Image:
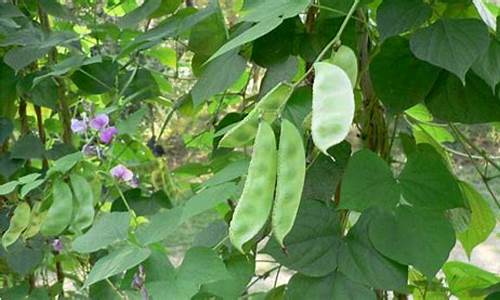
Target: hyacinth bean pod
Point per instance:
(290, 180)
(36, 219)
(268, 108)
(254, 206)
(333, 106)
(84, 204)
(345, 58)
(18, 223)
(59, 214)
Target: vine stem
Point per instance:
(465, 141)
(330, 44)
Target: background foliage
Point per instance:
(114, 182)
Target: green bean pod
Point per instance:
(254, 206)
(60, 212)
(84, 203)
(18, 223)
(290, 182)
(268, 107)
(36, 220)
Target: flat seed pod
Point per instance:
(60, 212)
(333, 106)
(268, 107)
(347, 60)
(84, 210)
(290, 180)
(254, 206)
(18, 223)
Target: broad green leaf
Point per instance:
(368, 181)
(42, 94)
(262, 10)
(65, 163)
(218, 75)
(208, 35)
(473, 103)
(133, 18)
(241, 270)
(166, 7)
(452, 44)
(466, 280)
(200, 266)
(20, 57)
(400, 80)
(160, 226)
(59, 214)
(96, 78)
(8, 187)
(138, 85)
(279, 72)
(334, 286)
(108, 229)
(230, 172)
(23, 258)
(7, 87)
(398, 16)
(361, 262)
(211, 235)
(83, 213)
(27, 188)
(323, 175)
(158, 266)
(130, 125)
(413, 236)
(166, 56)
(313, 243)
(29, 178)
(482, 221)
(347, 60)
(6, 126)
(298, 107)
(54, 8)
(208, 199)
(426, 181)
(276, 46)
(173, 26)
(251, 34)
(28, 147)
(333, 106)
(488, 65)
(116, 262)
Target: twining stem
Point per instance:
(464, 141)
(61, 93)
(330, 44)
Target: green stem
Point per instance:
(333, 42)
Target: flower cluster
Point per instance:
(100, 123)
(123, 174)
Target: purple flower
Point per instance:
(121, 173)
(108, 134)
(78, 126)
(57, 245)
(99, 122)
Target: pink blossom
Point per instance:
(122, 173)
(108, 134)
(78, 126)
(57, 245)
(99, 122)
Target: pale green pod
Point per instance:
(60, 212)
(84, 204)
(347, 60)
(36, 220)
(268, 109)
(290, 180)
(333, 106)
(254, 206)
(18, 223)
